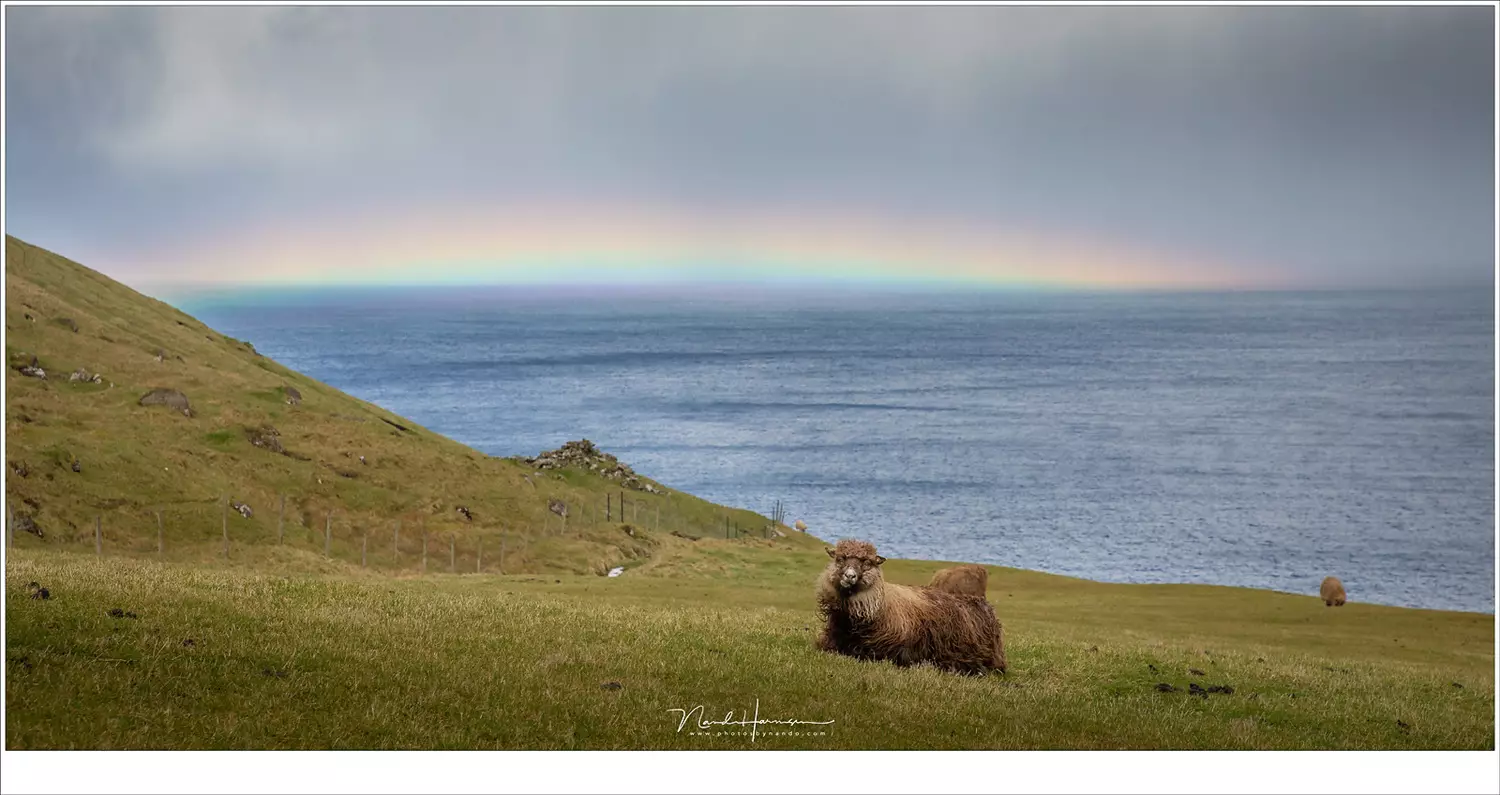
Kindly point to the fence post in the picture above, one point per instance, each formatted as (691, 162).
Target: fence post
(281, 520)
(98, 543)
(225, 514)
(10, 524)
(364, 549)
(657, 526)
(502, 554)
(607, 498)
(327, 533)
(158, 533)
(564, 530)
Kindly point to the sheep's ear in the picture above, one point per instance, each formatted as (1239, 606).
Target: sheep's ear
(879, 560)
(829, 550)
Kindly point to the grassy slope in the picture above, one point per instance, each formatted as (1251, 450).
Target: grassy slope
(292, 650)
(517, 661)
(137, 461)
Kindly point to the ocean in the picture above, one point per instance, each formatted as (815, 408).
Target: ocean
(1257, 439)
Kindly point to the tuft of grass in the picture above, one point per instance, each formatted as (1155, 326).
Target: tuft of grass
(222, 439)
(322, 655)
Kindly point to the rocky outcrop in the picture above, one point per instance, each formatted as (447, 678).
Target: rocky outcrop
(582, 454)
(241, 508)
(26, 524)
(293, 397)
(170, 398)
(465, 513)
(84, 376)
(266, 438)
(558, 507)
(29, 367)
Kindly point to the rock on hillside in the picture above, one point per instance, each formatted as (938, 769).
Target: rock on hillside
(582, 454)
(171, 398)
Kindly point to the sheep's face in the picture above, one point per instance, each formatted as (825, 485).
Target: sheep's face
(855, 565)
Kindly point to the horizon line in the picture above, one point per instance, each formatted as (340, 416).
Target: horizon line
(719, 288)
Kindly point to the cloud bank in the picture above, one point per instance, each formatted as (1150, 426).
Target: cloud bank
(1346, 145)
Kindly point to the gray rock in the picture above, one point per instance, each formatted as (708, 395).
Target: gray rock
(170, 398)
(293, 397)
(26, 524)
(558, 507)
(266, 438)
(241, 508)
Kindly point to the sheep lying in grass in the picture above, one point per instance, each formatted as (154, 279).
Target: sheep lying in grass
(969, 579)
(871, 619)
(1332, 592)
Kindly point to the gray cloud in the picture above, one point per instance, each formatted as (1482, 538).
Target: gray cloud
(1353, 144)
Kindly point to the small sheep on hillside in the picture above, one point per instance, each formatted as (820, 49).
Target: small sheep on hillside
(967, 579)
(1332, 592)
(870, 619)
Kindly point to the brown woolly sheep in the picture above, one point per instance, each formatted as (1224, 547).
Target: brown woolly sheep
(969, 579)
(871, 619)
(1332, 592)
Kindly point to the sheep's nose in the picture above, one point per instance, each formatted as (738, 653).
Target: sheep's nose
(851, 574)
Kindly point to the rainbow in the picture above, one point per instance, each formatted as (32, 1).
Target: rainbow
(588, 245)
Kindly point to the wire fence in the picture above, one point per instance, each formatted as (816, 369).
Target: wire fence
(460, 543)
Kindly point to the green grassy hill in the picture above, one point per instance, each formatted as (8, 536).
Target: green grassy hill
(275, 645)
(348, 469)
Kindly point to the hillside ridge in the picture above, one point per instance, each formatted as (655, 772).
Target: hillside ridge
(127, 414)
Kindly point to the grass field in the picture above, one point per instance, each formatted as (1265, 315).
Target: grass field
(350, 660)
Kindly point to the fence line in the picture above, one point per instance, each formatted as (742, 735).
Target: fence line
(663, 512)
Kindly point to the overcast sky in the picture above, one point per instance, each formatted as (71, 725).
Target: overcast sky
(1351, 146)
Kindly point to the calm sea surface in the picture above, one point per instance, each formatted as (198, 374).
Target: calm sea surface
(1263, 439)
